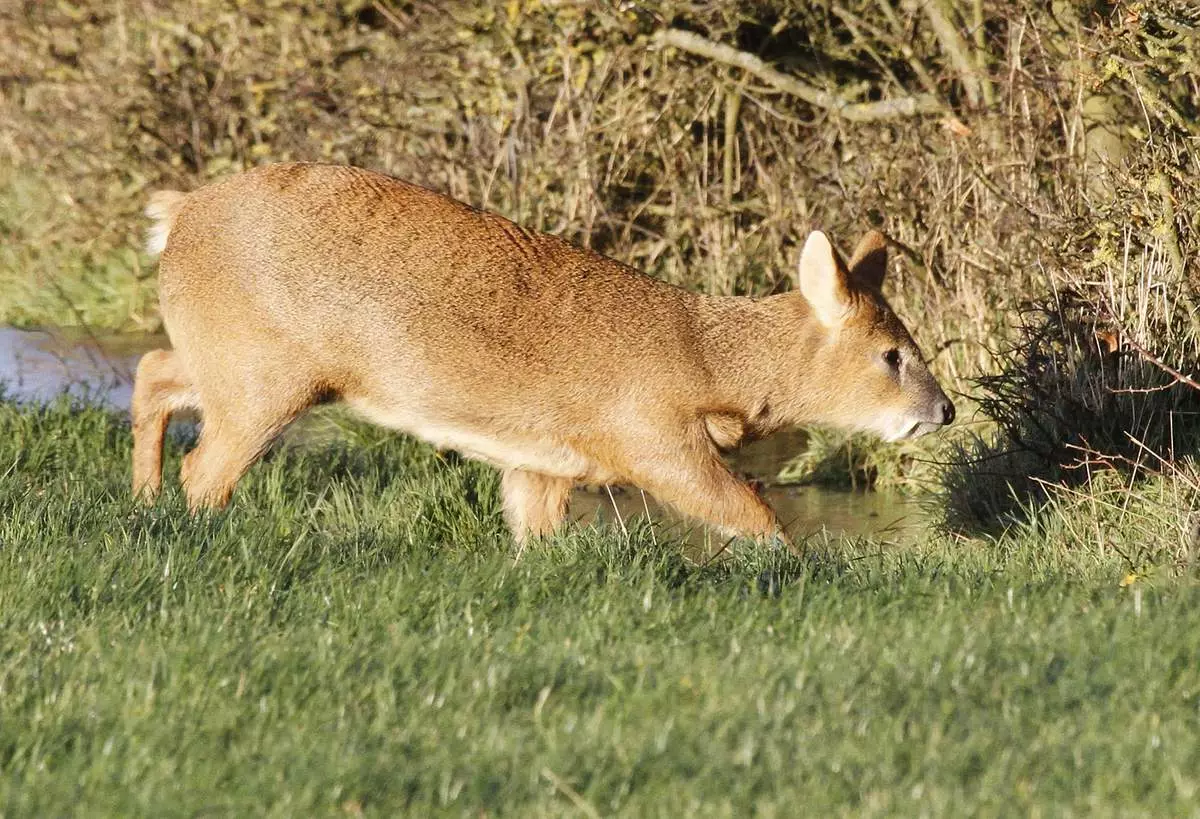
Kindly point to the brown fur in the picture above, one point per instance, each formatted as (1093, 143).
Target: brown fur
(293, 283)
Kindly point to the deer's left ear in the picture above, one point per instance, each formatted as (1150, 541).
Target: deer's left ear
(822, 280)
(868, 265)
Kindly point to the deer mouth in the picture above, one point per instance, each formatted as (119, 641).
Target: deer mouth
(914, 430)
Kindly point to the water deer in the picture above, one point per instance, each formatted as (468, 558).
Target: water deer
(292, 284)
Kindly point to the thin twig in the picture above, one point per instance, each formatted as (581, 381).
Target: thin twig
(856, 112)
(956, 48)
(646, 506)
(1146, 355)
(572, 794)
(616, 510)
(724, 547)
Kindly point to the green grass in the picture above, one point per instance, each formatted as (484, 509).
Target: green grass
(51, 280)
(353, 635)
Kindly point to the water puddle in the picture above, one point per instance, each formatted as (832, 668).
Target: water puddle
(803, 510)
(41, 365)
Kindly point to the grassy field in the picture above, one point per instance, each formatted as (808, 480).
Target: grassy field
(353, 636)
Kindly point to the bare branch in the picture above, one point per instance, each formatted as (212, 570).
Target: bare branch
(856, 112)
(1146, 355)
(855, 23)
(956, 48)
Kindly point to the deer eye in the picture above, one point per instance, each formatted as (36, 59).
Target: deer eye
(892, 358)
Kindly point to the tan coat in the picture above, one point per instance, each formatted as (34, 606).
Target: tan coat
(298, 283)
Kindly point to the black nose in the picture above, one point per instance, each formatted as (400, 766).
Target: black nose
(947, 412)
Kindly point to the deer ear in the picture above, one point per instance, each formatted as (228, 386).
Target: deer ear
(868, 265)
(822, 280)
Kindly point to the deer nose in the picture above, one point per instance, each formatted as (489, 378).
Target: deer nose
(947, 412)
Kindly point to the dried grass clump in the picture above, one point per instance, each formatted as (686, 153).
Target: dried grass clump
(1099, 380)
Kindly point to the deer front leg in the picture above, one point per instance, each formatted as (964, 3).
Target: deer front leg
(534, 504)
(691, 477)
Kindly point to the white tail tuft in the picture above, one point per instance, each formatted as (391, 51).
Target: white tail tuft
(163, 208)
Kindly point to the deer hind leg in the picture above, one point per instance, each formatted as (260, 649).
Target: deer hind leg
(160, 387)
(236, 431)
(534, 504)
(225, 451)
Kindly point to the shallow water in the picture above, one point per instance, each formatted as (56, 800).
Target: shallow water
(41, 365)
(803, 510)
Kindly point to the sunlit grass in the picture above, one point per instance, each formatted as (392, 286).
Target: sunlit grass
(48, 279)
(354, 635)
